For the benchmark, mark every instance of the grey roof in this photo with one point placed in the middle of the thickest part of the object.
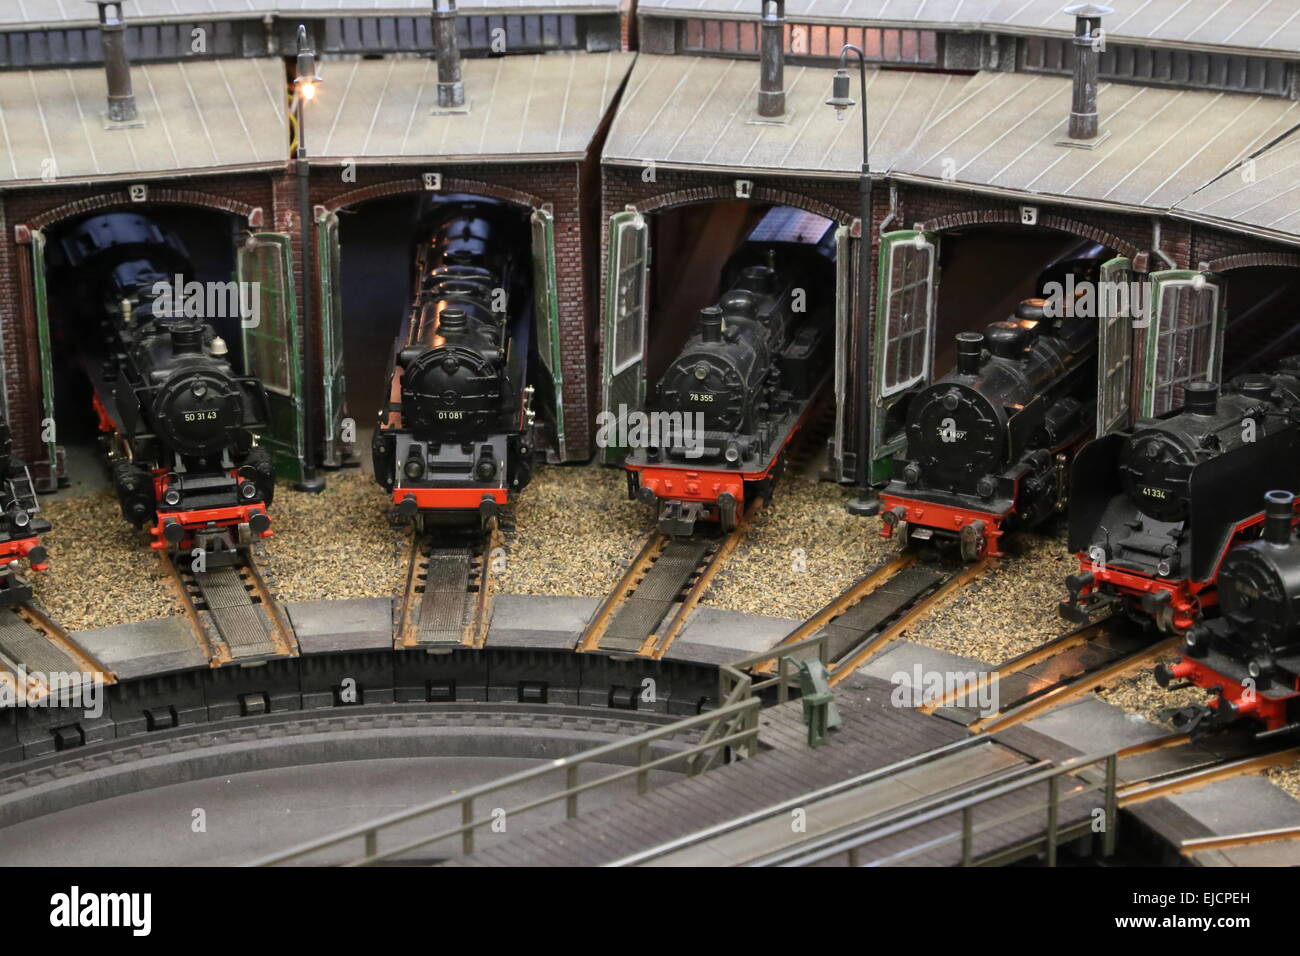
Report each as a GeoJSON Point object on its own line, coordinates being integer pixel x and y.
{"type": "Point", "coordinates": [699, 112]}
{"type": "Point", "coordinates": [1162, 150]}
{"type": "Point", "coordinates": [1003, 131]}
{"type": "Point", "coordinates": [520, 108]}
{"type": "Point", "coordinates": [198, 117]}
{"type": "Point", "coordinates": [1248, 25]}
{"type": "Point", "coordinates": [35, 13]}
{"type": "Point", "coordinates": [1263, 195]}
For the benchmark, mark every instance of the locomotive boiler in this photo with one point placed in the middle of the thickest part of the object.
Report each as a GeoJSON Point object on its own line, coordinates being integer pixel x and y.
{"type": "Point", "coordinates": [743, 384]}
{"type": "Point", "coordinates": [1157, 508]}
{"type": "Point", "coordinates": [21, 525]}
{"type": "Point", "coordinates": [988, 445]}
{"type": "Point", "coordinates": [179, 423]}
{"type": "Point", "coordinates": [455, 438]}
{"type": "Point", "coordinates": [1249, 657]}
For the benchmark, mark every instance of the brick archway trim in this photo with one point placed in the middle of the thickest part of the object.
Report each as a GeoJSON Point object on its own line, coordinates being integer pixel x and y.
{"type": "Point", "coordinates": [780, 197]}
{"type": "Point", "coordinates": [1245, 260]}
{"type": "Point", "coordinates": [398, 187]}
{"type": "Point", "coordinates": [1060, 223]}
{"type": "Point", "coordinates": [175, 197]}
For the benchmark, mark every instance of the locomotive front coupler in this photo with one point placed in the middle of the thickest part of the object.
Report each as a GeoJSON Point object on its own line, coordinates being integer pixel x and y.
{"type": "Point", "coordinates": [14, 588]}
{"type": "Point", "coordinates": [1080, 608]}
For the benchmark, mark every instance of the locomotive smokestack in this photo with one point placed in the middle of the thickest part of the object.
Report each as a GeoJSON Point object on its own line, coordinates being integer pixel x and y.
{"type": "Point", "coordinates": [112, 32]}
{"type": "Point", "coordinates": [711, 324]}
{"type": "Point", "coordinates": [1279, 509]}
{"type": "Point", "coordinates": [969, 347]}
{"type": "Point", "coordinates": [187, 338]}
{"type": "Point", "coordinates": [451, 91]}
{"type": "Point", "coordinates": [771, 92]}
{"type": "Point", "coordinates": [1201, 398]}
{"type": "Point", "coordinates": [1083, 109]}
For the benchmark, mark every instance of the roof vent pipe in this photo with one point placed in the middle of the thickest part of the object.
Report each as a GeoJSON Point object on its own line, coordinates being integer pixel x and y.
{"type": "Point", "coordinates": [1087, 33]}
{"type": "Point", "coordinates": [451, 91]}
{"type": "Point", "coordinates": [771, 91]}
{"type": "Point", "coordinates": [112, 31]}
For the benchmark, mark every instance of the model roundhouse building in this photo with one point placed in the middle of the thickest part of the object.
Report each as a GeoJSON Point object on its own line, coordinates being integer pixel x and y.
{"type": "Point", "coordinates": [210, 157]}
{"type": "Point", "coordinates": [978, 182]}
{"type": "Point", "coordinates": [644, 164]}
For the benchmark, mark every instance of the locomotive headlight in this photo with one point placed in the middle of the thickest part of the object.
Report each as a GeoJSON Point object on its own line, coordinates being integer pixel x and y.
{"type": "Point", "coordinates": [1163, 567]}
{"type": "Point", "coordinates": [985, 487]}
{"type": "Point", "coordinates": [414, 468]}
{"type": "Point", "coordinates": [912, 473]}
{"type": "Point", "coordinates": [732, 452]}
{"type": "Point", "coordinates": [171, 497]}
{"type": "Point", "coordinates": [247, 490]}
{"type": "Point", "coordinates": [1255, 668]}
{"type": "Point", "coordinates": [701, 371]}
{"type": "Point", "coordinates": [486, 470]}
{"type": "Point", "coordinates": [19, 518]}
{"type": "Point", "coordinates": [198, 389]}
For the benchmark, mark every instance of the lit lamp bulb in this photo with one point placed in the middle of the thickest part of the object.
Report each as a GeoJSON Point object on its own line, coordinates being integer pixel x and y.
{"type": "Point", "coordinates": [308, 90]}
{"type": "Point", "coordinates": [840, 98]}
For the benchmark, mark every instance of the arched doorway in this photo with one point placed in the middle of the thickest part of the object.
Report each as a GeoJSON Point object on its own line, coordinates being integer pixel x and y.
{"type": "Point", "coordinates": [367, 253]}
{"type": "Point", "coordinates": [669, 259]}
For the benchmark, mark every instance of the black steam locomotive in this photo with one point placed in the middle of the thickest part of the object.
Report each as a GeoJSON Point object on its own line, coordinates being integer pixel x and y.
{"type": "Point", "coordinates": [179, 423]}
{"type": "Point", "coordinates": [732, 399]}
{"type": "Point", "coordinates": [21, 525]}
{"type": "Point", "coordinates": [988, 445]}
{"type": "Point", "coordinates": [455, 437]}
{"type": "Point", "coordinates": [1249, 656]}
{"type": "Point", "coordinates": [1156, 509]}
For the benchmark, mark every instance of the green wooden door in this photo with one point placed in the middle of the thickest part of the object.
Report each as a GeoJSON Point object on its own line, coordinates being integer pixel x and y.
{"type": "Point", "coordinates": [904, 345]}
{"type": "Point", "coordinates": [625, 323]}
{"type": "Point", "coordinates": [546, 322]}
{"type": "Point", "coordinates": [330, 292]}
{"type": "Point", "coordinates": [48, 478]}
{"type": "Point", "coordinates": [841, 450]}
{"type": "Point", "coordinates": [270, 332]}
{"type": "Point", "coordinates": [1115, 346]}
{"type": "Point", "coordinates": [1184, 340]}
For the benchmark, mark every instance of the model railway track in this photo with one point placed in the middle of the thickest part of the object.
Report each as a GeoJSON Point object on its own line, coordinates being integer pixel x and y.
{"type": "Point", "coordinates": [448, 598]}
{"type": "Point", "coordinates": [649, 607]}
{"type": "Point", "coordinates": [1058, 672]}
{"type": "Point", "coordinates": [38, 658]}
{"type": "Point", "coordinates": [1243, 761]}
{"type": "Point", "coordinates": [235, 617]}
{"type": "Point", "coordinates": [878, 607]}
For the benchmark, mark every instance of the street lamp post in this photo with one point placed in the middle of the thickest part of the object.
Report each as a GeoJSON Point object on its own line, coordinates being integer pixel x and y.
{"type": "Point", "coordinates": [867, 502]}
{"type": "Point", "coordinates": [305, 84]}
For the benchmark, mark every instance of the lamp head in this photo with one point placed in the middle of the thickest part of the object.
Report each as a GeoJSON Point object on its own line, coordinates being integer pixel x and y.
{"type": "Point", "coordinates": [840, 98]}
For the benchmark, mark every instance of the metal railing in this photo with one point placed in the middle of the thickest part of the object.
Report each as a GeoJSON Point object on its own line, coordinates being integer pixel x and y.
{"type": "Point", "coordinates": [739, 719]}
{"type": "Point", "coordinates": [730, 730]}
{"type": "Point", "coordinates": [847, 848]}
